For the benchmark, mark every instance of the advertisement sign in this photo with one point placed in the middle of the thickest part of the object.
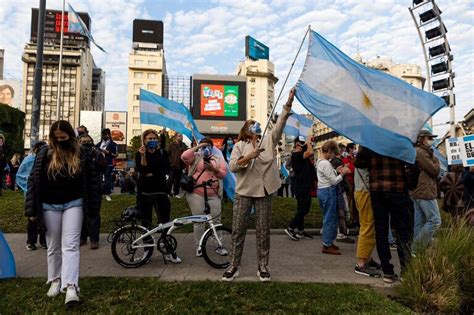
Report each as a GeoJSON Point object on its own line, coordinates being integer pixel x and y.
{"type": "Point", "coordinates": [460, 150]}
{"type": "Point", "coordinates": [93, 122]}
{"type": "Point", "coordinates": [256, 50]}
{"type": "Point", "coordinates": [52, 27]}
{"type": "Point", "coordinates": [10, 93]}
{"type": "Point", "coordinates": [219, 100]}
{"type": "Point", "coordinates": [117, 123]}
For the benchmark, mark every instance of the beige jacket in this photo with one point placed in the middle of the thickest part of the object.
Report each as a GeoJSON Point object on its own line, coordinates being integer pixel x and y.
{"type": "Point", "coordinates": [260, 177]}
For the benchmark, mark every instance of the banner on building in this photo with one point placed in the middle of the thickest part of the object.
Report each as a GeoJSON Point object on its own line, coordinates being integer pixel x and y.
{"type": "Point", "coordinates": [117, 123]}
{"type": "Point", "coordinates": [10, 93]}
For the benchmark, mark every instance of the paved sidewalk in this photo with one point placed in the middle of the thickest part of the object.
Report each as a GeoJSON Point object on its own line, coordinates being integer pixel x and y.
{"type": "Point", "coordinates": [290, 261]}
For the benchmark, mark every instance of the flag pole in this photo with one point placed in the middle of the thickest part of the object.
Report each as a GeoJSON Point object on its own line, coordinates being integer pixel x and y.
{"type": "Point", "coordinates": [58, 99]}
{"type": "Point", "coordinates": [284, 83]}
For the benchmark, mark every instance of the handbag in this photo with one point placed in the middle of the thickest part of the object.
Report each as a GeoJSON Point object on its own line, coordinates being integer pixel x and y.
{"type": "Point", "coordinates": [187, 182]}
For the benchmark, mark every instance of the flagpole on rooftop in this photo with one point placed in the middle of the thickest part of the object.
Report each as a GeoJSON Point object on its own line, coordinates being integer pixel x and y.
{"type": "Point", "coordinates": [284, 83]}
{"type": "Point", "coordinates": [58, 100]}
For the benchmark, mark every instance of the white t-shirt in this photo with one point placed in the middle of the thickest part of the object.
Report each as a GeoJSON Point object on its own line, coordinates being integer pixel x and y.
{"type": "Point", "coordinates": [327, 175]}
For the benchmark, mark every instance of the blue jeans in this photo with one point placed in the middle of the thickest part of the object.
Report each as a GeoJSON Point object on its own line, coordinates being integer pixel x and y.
{"type": "Point", "coordinates": [427, 221]}
{"type": "Point", "coordinates": [328, 201]}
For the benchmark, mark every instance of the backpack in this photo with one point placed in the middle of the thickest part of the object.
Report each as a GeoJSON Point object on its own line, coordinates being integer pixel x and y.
{"type": "Point", "coordinates": [412, 174]}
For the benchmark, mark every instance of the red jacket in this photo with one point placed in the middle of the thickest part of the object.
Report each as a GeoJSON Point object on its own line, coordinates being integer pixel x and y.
{"type": "Point", "coordinates": [349, 161]}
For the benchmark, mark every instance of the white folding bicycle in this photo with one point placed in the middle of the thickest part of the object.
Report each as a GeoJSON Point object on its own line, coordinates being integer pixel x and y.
{"type": "Point", "coordinates": [133, 244]}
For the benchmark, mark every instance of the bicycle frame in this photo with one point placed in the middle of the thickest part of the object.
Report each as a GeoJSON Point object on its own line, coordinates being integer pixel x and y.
{"type": "Point", "coordinates": [175, 224]}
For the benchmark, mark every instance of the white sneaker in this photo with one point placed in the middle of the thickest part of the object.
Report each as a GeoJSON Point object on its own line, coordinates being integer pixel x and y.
{"type": "Point", "coordinates": [71, 295]}
{"type": "Point", "coordinates": [198, 252]}
{"type": "Point", "coordinates": [340, 236]}
{"type": "Point", "coordinates": [107, 197]}
{"type": "Point", "coordinates": [173, 258]}
{"type": "Point", "coordinates": [55, 288]}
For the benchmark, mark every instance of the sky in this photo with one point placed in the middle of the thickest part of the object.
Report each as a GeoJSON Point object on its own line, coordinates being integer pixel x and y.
{"type": "Point", "coordinates": [208, 37]}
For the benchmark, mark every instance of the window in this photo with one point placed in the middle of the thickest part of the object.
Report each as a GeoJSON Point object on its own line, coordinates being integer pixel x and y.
{"type": "Point", "coordinates": [253, 103]}
{"type": "Point", "coordinates": [138, 75]}
{"type": "Point", "coordinates": [138, 62]}
{"type": "Point", "coordinates": [136, 120]}
{"type": "Point", "coordinates": [152, 62]}
{"type": "Point", "coordinates": [136, 132]}
{"type": "Point", "coordinates": [151, 86]}
{"type": "Point", "coordinates": [151, 75]}
{"type": "Point", "coordinates": [136, 97]}
{"type": "Point", "coordinates": [136, 109]}
{"type": "Point", "coordinates": [252, 91]}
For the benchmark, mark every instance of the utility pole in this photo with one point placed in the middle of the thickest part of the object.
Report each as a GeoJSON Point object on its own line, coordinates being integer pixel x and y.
{"type": "Point", "coordinates": [35, 117]}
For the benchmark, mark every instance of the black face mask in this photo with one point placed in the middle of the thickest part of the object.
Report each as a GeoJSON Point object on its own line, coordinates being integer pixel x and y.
{"type": "Point", "coordinates": [64, 144]}
{"type": "Point", "coordinates": [88, 145]}
{"type": "Point", "coordinates": [105, 138]}
{"type": "Point", "coordinates": [80, 133]}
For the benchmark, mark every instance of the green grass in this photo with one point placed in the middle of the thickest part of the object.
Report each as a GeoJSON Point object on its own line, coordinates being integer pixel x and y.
{"type": "Point", "coordinates": [12, 218]}
{"type": "Point", "coordinates": [150, 296]}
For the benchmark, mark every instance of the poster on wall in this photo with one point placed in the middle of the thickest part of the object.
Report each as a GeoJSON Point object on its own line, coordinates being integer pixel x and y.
{"type": "Point", "coordinates": [10, 93]}
{"type": "Point", "coordinates": [219, 100]}
{"type": "Point", "coordinates": [93, 122]}
{"type": "Point", "coordinates": [460, 150]}
{"type": "Point", "coordinates": [117, 123]}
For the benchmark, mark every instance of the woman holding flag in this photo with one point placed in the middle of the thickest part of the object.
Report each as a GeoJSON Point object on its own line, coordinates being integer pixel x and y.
{"type": "Point", "coordinates": [253, 160]}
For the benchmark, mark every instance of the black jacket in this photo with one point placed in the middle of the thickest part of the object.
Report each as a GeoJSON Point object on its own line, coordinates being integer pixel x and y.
{"type": "Point", "coordinates": [305, 173]}
{"type": "Point", "coordinates": [91, 185]}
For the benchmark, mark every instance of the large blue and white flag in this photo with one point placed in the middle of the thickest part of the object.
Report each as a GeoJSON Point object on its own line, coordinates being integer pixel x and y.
{"type": "Point", "coordinates": [298, 125]}
{"type": "Point", "coordinates": [369, 107]}
{"type": "Point", "coordinates": [77, 25]}
{"type": "Point", "coordinates": [160, 111]}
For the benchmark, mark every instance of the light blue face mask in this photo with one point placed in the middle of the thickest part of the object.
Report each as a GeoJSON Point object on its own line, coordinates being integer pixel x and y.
{"type": "Point", "coordinates": [255, 128]}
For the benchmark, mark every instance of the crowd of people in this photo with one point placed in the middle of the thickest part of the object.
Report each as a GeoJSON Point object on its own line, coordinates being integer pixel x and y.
{"type": "Point", "coordinates": [359, 191]}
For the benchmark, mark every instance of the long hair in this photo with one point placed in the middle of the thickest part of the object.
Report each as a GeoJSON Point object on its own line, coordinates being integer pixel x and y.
{"type": "Point", "coordinates": [64, 161]}
{"type": "Point", "coordinates": [245, 133]}
{"type": "Point", "coordinates": [15, 159]}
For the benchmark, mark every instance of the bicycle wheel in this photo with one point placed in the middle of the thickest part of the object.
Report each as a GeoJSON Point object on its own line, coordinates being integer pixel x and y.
{"type": "Point", "coordinates": [216, 248]}
{"type": "Point", "coordinates": [122, 250]}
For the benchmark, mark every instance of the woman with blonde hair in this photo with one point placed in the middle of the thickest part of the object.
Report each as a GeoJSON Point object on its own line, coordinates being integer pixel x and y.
{"type": "Point", "coordinates": [253, 160]}
{"type": "Point", "coordinates": [14, 165]}
{"type": "Point", "coordinates": [62, 188]}
{"type": "Point", "coordinates": [204, 165]}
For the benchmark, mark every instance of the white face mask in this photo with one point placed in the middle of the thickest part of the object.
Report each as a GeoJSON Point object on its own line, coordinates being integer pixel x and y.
{"type": "Point", "coordinates": [430, 142]}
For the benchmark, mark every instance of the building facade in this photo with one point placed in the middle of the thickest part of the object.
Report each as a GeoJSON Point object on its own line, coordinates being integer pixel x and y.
{"type": "Point", "coordinates": [76, 82]}
{"type": "Point", "coordinates": [260, 88]}
{"type": "Point", "coordinates": [2, 59]}
{"type": "Point", "coordinates": [98, 88]}
{"type": "Point", "coordinates": [146, 69]}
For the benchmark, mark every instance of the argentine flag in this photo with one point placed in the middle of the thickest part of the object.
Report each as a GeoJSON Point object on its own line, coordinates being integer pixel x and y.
{"type": "Point", "coordinates": [160, 111]}
{"type": "Point", "coordinates": [369, 107]}
{"type": "Point", "coordinates": [298, 125]}
{"type": "Point", "coordinates": [76, 25]}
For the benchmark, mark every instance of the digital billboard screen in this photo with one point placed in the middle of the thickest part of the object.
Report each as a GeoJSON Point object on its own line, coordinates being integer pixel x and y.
{"type": "Point", "coordinates": [52, 27]}
{"type": "Point", "coordinates": [219, 99]}
{"type": "Point", "coordinates": [256, 50]}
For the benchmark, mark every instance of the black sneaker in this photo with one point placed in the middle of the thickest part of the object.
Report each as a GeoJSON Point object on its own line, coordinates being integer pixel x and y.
{"type": "Point", "coordinates": [304, 235]}
{"type": "Point", "coordinates": [292, 234]}
{"type": "Point", "coordinates": [30, 247]}
{"type": "Point", "coordinates": [366, 271]}
{"type": "Point", "coordinates": [230, 274]}
{"type": "Point", "coordinates": [390, 278]}
{"type": "Point", "coordinates": [263, 274]}
{"type": "Point", "coordinates": [347, 240]}
{"type": "Point", "coordinates": [374, 265]}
